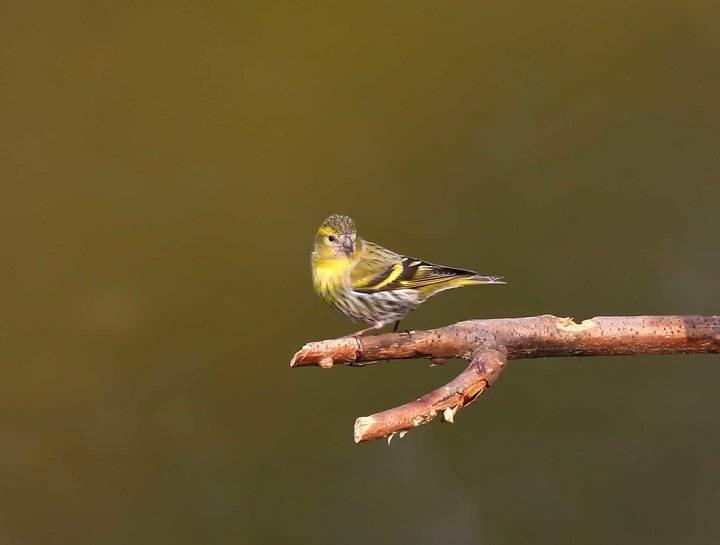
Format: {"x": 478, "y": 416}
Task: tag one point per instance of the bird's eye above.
{"x": 331, "y": 238}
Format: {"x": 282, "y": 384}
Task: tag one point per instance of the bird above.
{"x": 373, "y": 285}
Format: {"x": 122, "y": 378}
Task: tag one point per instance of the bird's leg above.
{"x": 397, "y": 324}
{"x": 361, "y": 332}
{"x": 376, "y": 325}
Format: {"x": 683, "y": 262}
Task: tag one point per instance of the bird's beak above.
{"x": 348, "y": 245}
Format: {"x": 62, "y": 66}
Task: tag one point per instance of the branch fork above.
{"x": 488, "y": 344}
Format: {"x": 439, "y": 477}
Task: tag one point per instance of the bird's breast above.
{"x": 330, "y": 277}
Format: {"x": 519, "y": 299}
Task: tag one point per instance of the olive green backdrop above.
{"x": 164, "y": 166}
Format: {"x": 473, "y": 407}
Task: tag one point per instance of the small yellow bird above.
{"x": 374, "y": 285}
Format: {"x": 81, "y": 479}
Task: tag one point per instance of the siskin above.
{"x": 374, "y": 285}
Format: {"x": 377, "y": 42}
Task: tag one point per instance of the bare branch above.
{"x": 482, "y": 372}
{"x": 486, "y": 344}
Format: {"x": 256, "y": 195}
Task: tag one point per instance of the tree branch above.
{"x": 486, "y": 344}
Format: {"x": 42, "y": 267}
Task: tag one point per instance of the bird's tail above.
{"x": 462, "y": 278}
{"x": 479, "y": 279}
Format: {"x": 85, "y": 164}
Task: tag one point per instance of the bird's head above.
{"x": 336, "y": 238}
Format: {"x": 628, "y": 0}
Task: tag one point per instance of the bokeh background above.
{"x": 164, "y": 166}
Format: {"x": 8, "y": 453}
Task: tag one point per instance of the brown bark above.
{"x": 486, "y": 344}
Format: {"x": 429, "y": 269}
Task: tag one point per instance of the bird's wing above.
{"x": 380, "y": 269}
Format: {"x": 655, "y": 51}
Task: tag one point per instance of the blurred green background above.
{"x": 164, "y": 166}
